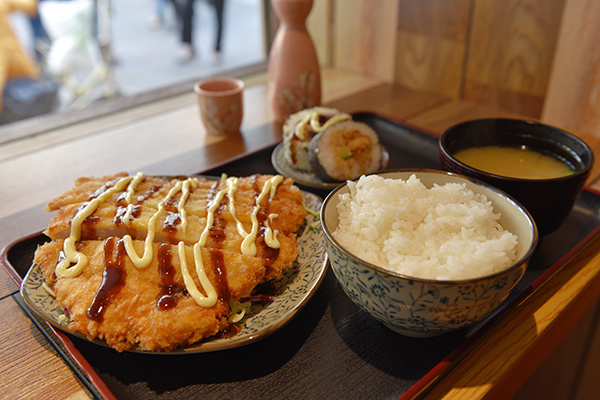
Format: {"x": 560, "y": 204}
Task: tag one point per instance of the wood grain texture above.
{"x": 30, "y": 368}
{"x": 393, "y": 101}
{"x": 573, "y": 98}
{"x": 431, "y": 45}
{"x": 495, "y": 53}
{"x": 511, "y": 49}
{"x": 453, "y": 112}
{"x": 365, "y": 37}
{"x": 7, "y": 285}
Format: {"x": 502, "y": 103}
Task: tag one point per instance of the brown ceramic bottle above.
{"x": 294, "y": 77}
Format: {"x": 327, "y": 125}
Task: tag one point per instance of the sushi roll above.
{"x": 301, "y": 127}
{"x": 345, "y": 151}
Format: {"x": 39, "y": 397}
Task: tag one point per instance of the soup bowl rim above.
{"x": 577, "y": 173}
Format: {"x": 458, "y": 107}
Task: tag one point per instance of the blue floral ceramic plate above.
{"x": 308, "y": 179}
{"x": 292, "y": 292}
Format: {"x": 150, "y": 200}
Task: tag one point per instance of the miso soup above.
{"x": 514, "y": 162}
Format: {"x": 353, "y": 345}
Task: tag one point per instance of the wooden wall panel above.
{"x": 511, "y": 49}
{"x": 365, "y": 37}
{"x": 431, "y": 45}
{"x": 573, "y": 99}
{"x": 498, "y": 53}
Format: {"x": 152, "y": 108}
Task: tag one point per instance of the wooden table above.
{"x": 136, "y": 139}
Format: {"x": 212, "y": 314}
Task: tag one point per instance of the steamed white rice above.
{"x": 447, "y": 232}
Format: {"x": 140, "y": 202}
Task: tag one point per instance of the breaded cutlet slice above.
{"x": 129, "y": 312}
{"x": 130, "y": 315}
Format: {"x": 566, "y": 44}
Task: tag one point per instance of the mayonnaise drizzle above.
{"x": 64, "y": 268}
{"x": 271, "y": 235}
{"x": 146, "y": 259}
{"x": 210, "y": 216}
{"x": 184, "y": 196}
{"x": 139, "y": 177}
{"x": 270, "y": 188}
{"x": 211, "y": 294}
{"x": 312, "y": 118}
{"x": 233, "y": 184}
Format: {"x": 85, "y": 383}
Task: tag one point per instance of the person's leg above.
{"x": 187, "y": 31}
{"x": 187, "y": 23}
{"x": 157, "y": 19}
{"x": 219, "y": 18}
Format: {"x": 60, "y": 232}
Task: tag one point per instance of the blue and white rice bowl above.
{"x": 420, "y": 307}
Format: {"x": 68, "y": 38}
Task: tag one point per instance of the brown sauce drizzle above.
{"x": 255, "y": 186}
{"x": 91, "y": 220}
{"x": 228, "y": 332}
{"x": 119, "y": 214}
{"x": 121, "y": 204}
{"x": 171, "y": 204}
{"x": 218, "y": 264}
{"x": 136, "y": 211}
{"x": 148, "y": 194}
{"x": 137, "y": 206}
{"x": 217, "y": 237}
{"x": 268, "y": 254}
{"x": 122, "y": 199}
{"x": 88, "y": 226}
{"x": 113, "y": 278}
{"x": 172, "y": 219}
{"x": 102, "y": 189}
{"x": 169, "y": 290}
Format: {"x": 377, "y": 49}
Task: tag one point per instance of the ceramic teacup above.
{"x": 221, "y": 105}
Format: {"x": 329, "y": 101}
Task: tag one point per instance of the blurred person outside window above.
{"x": 158, "y": 18}
{"x": 185, "y": 13}
{"x": 14, "y": 61}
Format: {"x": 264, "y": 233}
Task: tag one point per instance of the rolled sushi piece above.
{"x": 301, "y": 127}
{"x": 345, "y": 151}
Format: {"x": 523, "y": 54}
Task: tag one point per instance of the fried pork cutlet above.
{"x": 155, "y": 263}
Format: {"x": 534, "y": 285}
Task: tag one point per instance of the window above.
{"x": 134, "y": 59}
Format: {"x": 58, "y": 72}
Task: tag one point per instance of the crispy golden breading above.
{"x": 132, "y": 316}
{"x": 150, "y": 306}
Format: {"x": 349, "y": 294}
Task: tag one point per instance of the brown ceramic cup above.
{"x": 221, "y": 105}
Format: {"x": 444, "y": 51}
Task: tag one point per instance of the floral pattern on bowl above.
{"x": 292, "y": 292}
{"x": 417, "y": 308}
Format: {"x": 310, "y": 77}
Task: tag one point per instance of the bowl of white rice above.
{"x": 424, "y": 251}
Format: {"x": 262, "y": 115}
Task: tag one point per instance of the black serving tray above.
{"x": 331, "y": 349}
